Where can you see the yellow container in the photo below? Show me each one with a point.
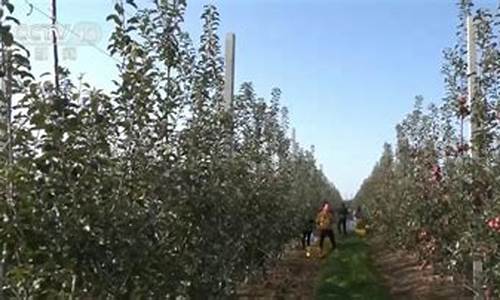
(309, 252)
(360, 232)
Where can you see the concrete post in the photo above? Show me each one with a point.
(294, 142)
(477, 264)
(229, 72)
(229, 90)
(471, 81)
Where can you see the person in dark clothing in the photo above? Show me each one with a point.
(307, 233)
(327, 234)
(359, 213)
(342, 223)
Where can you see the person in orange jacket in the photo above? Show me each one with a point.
(324, 222)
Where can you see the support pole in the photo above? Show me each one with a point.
(3, 144)
(6, 138)
(471, 82)
(3, 107)
(55, 46)
(10, 142)
(229, 73)
(477, 263)
(229, 89)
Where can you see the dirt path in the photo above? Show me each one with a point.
(403, 275)
(293, 278)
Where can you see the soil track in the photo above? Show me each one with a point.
(295, 278)
(405, 278)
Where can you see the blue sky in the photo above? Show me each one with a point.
(349, 69)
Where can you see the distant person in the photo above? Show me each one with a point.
(359, 213)
(307, 233)
(360, 218)
(324, 222)
(342, 223)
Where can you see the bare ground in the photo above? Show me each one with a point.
(406, 279)
(295, 277)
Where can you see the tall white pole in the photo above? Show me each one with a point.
(477, 264)
(294, 141)
(229, 88)
(471, 81)
(229, 72)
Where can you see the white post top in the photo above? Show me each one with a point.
(229, 71)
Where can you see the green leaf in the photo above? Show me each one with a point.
(132, 3)
(21, 60)
(9, 18)
(10, 7)
(119, 9)
(115, 18)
